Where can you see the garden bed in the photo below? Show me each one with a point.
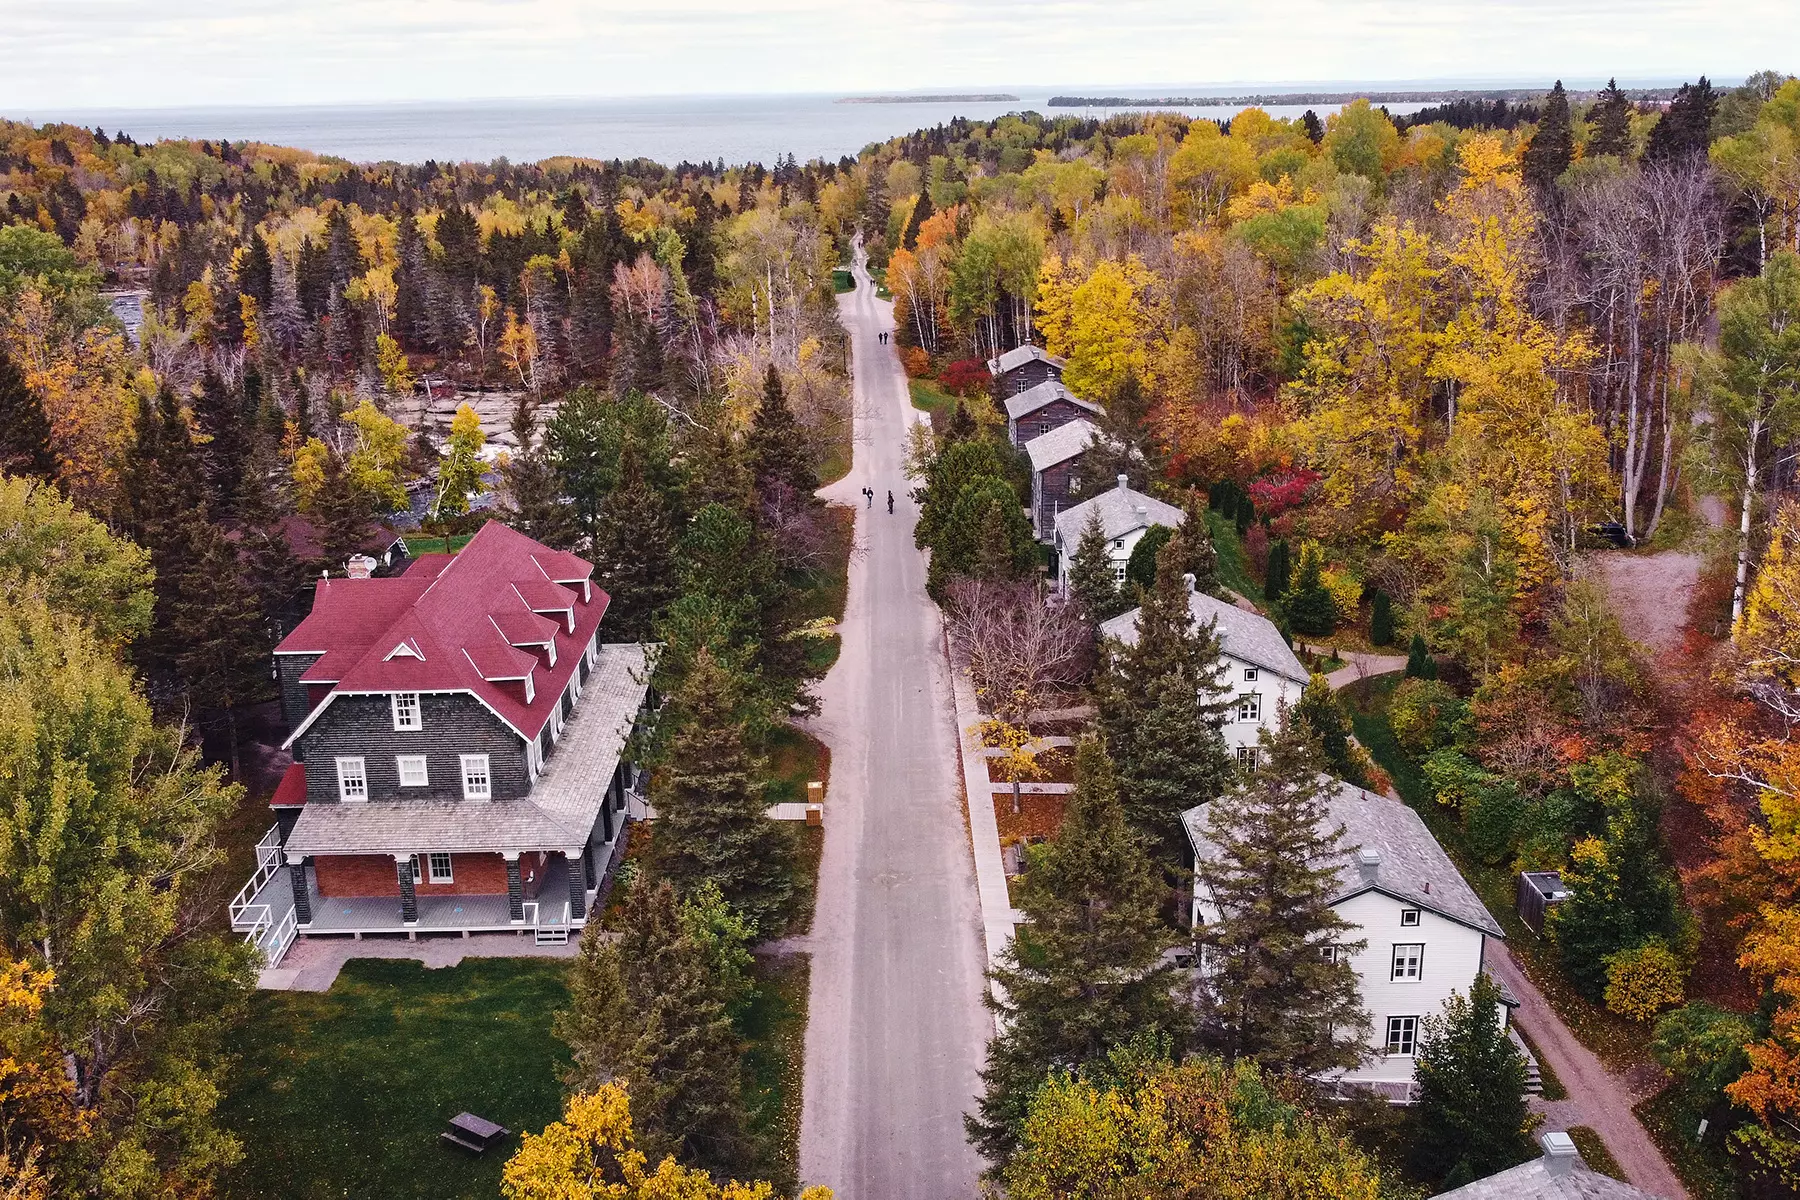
(1038, 815)
(775, 1066)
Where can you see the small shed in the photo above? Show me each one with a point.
(1539, 892)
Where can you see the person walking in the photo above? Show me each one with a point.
(869, 495)
(890, 502)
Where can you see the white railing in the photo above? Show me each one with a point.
(268, 864)
(268, 935)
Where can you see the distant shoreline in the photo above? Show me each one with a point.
(1298, 98)
(954, 98)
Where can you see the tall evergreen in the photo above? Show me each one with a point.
(1162, 705)
(1082, 975)
(649, 1009)
(536, 507)
(633, 549)
(1552, 147)
(909, 238)
(24, 429)
(342, 516)
(1419, 663)
(778, 447)
(1471, 1111)
(1320, 714)
(1091, 580)
(219, 412)
(1199, 557)
(1275, 575)
(710, 805)
(215, 622)
(1307, 603)
(1685, 129)
(1381, 619)
(1611, 117)
(1273, 993)
(410, 320)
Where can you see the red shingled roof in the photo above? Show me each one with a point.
(448, 624)
(291, 791)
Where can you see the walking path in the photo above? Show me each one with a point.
(1599, 1099)
(896, 1032)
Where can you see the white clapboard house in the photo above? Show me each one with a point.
(1261, 671)
(1426, 930)
(1126, 515)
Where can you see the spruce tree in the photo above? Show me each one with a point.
(1319, 712)
(777, 446)
(1307, 603)
(1381, 619)
(1684, 131)
(711, 822)
(1082, 975)
(1275, 576)
(909, 239)
(535, 504)
(649, 1009)
(1199, 557)
(342, 515)
(1091, 580)
(1268, 876)
(1471, 1110)
(633, 550)
(1552, 147)
(1611, 116)
(1140, 568)
(1162, 705)
(24, 429)
(215, 621)
(1419, 663)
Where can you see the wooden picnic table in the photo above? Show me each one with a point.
(473, 1133)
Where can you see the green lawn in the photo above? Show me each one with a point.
(823, 592)
(1594, 1152)
(842, 280)
(928, 396)
(416, 546)
(1234, 565)
(774, 1066)
(344, 1093)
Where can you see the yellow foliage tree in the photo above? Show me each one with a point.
(390, 362)
(1101, 321)
(591, 1154)
(1642, 982)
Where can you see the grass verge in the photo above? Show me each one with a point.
(1234, 564)
(775, 1065)
(1704, 1166)
(344, 1093)
(928, 396)
(1594, 1152)
(822, 592)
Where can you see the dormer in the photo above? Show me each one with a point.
(548, 599)
(561, 567)
(529, 631)
(500, 663)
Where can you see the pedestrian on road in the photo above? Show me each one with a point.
(890, 502)
(869, 495)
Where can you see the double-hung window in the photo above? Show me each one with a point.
(1409, 962)
(1118, 572)
(411, 768)
(1247, 756)
(477, 783)
(440, 867)
(353, 779)
(1402, 1035)
(1250, 707)
(406, 710)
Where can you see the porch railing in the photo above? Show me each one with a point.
(268, 864)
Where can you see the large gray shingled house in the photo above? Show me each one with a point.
(459, 734)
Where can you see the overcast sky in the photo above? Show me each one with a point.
(159, 53)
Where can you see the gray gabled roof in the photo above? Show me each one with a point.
(1121, 510)
(1061, 444)
(1018, 356)
(1535, 1181)
(1048, 392)
(1244, 635)
(559, 812)
(1413, 869)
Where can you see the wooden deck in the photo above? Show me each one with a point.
(360, 915)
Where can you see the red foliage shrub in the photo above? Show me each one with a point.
(1275, 494)
(964, 377)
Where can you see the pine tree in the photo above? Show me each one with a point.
(1091, 580)
(1552, 147)
(24, 429)
(1140, 568)
(1082, 974)
(1307, 602)
(1320, 714)
(1684, 131)
(909, 239)
(777, 445)
(633, 550)
(1162, 705)
(1275, 576)
(219, 412)
(1381, 619)
(650, 1010)
(1611, 116)
(1266, 881)
(535, 505)
(342, 516)
(1419, 663)
(1199, 557)
(710, 804)
(1471, 1111)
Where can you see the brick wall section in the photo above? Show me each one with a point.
(1053, 415)
(295, 703)
(1025, 377)
(378, 875)
(454, 725)
(1051, 490)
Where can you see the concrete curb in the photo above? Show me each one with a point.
(997, 916)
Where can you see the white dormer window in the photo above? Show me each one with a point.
(1249, 674)
(404, 650)
(530, 690)
(550, 648)
(406, 710)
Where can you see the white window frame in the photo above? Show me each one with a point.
(353, 780)
(1249, 706)
(1249, 674)
(1119, 572)
(479, 763)
(1408, 963)
(412, 864)
(1402, 1037)
(1333, 953)
(1409, 917)
(449, 873)
(408, 712)
(413, 770)
(1247, 757)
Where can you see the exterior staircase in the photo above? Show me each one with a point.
(552, 932)
(1534, 1077)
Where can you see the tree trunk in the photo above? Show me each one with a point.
(1016, 800)
(1743, 559)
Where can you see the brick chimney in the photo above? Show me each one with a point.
(359, 566)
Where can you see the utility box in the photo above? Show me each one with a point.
(1539, 892)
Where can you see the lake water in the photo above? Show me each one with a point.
(668, 129)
